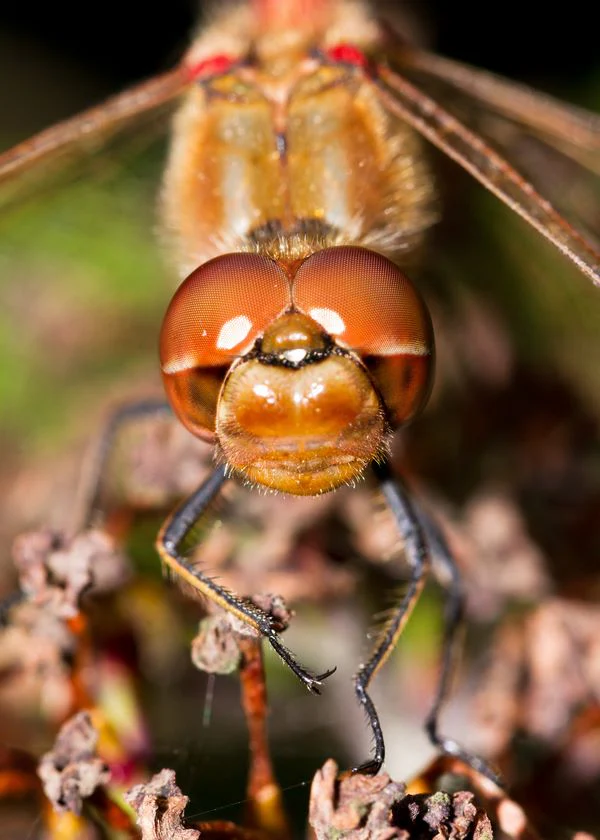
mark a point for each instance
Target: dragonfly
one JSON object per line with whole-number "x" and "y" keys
{"x": 296, "y": 193}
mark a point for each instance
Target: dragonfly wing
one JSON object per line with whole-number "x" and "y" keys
{"x": 484, "y": 161}
{"x": 80, "y": 138}
{"x": 574, "y": 131}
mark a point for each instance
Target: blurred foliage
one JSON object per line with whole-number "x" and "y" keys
{"x": 83, "y": 289}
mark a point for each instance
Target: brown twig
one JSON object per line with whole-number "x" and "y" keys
{"x": 222, "y": 645}
{"x": 265, "y": 808}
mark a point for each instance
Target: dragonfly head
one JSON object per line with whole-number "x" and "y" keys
{"x": 299, "y": 372}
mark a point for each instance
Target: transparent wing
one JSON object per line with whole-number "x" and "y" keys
{"x": 62, "y": 150}
{"x": 574, "y": 131}
{"x": 555, "y": 143}
{"x": 453, "y": 134}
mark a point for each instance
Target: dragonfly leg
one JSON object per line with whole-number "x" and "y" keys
{"x": 417, "y": 555}
{"x": 88, "y": 496}
{"x": 448, "y": 575}
{"x": 422, "y": 540}
{"x": 169, "y": 544}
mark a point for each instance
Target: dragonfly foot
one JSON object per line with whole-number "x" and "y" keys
{"x": 370, "y": 767}
{"x": 312, "y": 681}
{"x": 475, "y": 762}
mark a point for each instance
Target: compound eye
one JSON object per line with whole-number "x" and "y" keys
{"x": 215, "y": 316}
{"x": 367, "y": 304}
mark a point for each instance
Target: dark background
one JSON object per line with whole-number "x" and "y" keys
{"x": 70, "y": 55}
{"x": 121, "y": 40}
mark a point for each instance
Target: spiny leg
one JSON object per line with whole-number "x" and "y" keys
{"x": 90, "y": 487}
{"x": 448, "y": 575}
{"x": 422, "y": 540}
{"x": 415, "y": 547}
{"x": 170, "y": 539}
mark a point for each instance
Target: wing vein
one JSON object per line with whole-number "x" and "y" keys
{"x": 98, "y": 121}
{"x": 533, "y": 109}
{"x": 485, "y": 164}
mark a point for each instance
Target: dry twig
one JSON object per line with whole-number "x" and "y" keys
{"x": 72, "y": 771}
{"x": 376, "y": 808}
{"x": 159, "y": 805}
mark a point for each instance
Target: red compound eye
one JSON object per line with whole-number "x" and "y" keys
{"x": 216, "y": 315}
{"x": 366, "y": 303}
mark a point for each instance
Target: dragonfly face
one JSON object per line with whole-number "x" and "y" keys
{"x": 333, "y": 352}
{"x": 302, "y": 353}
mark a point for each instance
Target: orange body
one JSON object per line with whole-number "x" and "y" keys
{"x": 279, "y": 168}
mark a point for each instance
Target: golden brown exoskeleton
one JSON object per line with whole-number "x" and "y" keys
{"x": 301, "y": 354}
{"x": 316, "y": 389}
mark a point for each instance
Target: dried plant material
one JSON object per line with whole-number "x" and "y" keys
{"x": 215, "y": 648}
{"x": 582, "y": 746}
{"x": 454, "y": 816}
{"x": 498, "y": 702}
{"x": 159, "y": 805}
{"x": 54, "y": 572}
{"x": 512, "y": 821}
{"x": 72, "y": 771}
{"x": 499, "y": 560}
{"x": 563, "y": 665}
{"x": 501, "y": 812}
{"x": 357, "y": 804}
{"x": 545, "y": 668}
{"x": 278, "y": 544}
{"x": 225, "y": 830}
{"x": 276, "y": 608}
{"x": 446, "y": 816}
{"x": 158, "y": 461}
{"x": 264, "y": 806}
{"x": 35, "y": 651}
{"x": 376, "y": 808}
{"x": 374, "y": 530}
